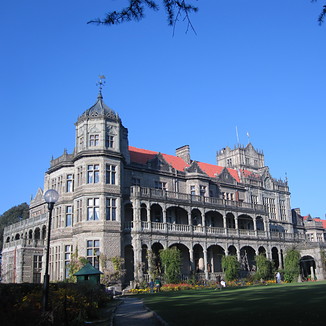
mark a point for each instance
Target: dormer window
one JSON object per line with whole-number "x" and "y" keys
{"x": 94, "y": 140}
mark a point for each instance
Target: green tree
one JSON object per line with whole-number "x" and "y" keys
{"x": 76, "y": 263}
{"x": 171, "y": 263}
{"x": 264, "y": 268}
{"x": 230, "y": 267}
{"x": 12, "y": 215}
{"x": 291, "y": 265}
{"x": 175, "y": 10}
{"x": 112, "y": 269}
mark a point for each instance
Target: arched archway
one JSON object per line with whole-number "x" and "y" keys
{"x": 247, "y": 256}
{"x": 37, "y": 234}
{"x": 232, "y": 251}
{"x": 43, "y": 232}
{"x": 196, "y": 218}
{"x": 230, "y": 221}
{"x": 143, "y": 212}
{"x": 144, "y": 258}
{"x": 308, "y": 268}
{"x": 275, "y": 257}
{"x": 245, "y": 222}
{"x": 198, "y": 258}
{"x": 155, "y": 265}
{"x": 176, "y": 215}
{"x": 129, "y": 263}
{"x": 156, "y": 213}
{"x": 260, "y": 223}
{"x": 185, "y": 258}
{"x": 262, "y": 251}
{"x": 215, "y": 254}
{"x": 129, "y": 215}
{"x": 17, "y": 236}
{"x": 214, "y": 219}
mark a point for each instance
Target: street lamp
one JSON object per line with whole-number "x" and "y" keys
{"x": 51, "y": 197}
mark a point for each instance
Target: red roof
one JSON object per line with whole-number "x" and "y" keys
{"x": 214, "y": 170}
{"x": 317, "y": 219}
{"x": 141, "y": 156}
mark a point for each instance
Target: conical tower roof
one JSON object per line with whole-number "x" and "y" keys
{"x": 99, "y": 110}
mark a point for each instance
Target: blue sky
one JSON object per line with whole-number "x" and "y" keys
{"x": 255, "y": 64}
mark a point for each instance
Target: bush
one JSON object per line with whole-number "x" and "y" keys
{"x": 70, "y": 304}
{"x": 291, "y": 265}
{"x": 231, "y": 267}
{"x": 264, "y": 268}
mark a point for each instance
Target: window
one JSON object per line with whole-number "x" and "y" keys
{"x": 69, "y": 185}
{"x": 93, "y": 173}
{"x": 111, "y": 209}
{"x": 110, "y": 174}
{"x": 254, "y": 199}
{"x": 247, "y": 161}
{"x": 93, "y": 209}
{"x": 68, "y": 216}
{"x": 135, "y": 182}
{"x": 68, "y": 252}
{"x": 229, "y": 162}
{"x": 282, "y": 209}
{"x": 160, "y": 185}
{"x": 192, "y": 190}
{"x": 202, "y": 190}
{"x": 269, "y": 204}
{"x": 54, "y": 183}
{"x": 37, "y": 268}
{"x": 93, "y": 252}
{"x": 79, "y": 175}
{"x": 60, "y": 183}
{"x": 109, "y": 141}
{"x": 79, "y": 210}
{"x": 94, "y": 140}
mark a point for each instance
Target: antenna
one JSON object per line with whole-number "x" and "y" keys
{"x": 237, "y": 134}
{"x": 248, "y": 135}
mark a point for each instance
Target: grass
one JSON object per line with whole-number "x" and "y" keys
{"x": 285, "y": 304}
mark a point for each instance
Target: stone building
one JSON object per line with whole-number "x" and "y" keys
{"x": 120, "y": 200}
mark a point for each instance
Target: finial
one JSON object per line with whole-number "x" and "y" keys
{"x": 100, "y": 84}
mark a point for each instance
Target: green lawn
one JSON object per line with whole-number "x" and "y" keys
{"x": 285, "y": 304}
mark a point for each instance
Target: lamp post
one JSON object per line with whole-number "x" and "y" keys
{"x": 51, "y": 197}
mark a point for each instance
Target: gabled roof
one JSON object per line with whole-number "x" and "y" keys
{"x": 88, "y": 269}
{"x": 142, "y": 156}
{"x": 317, "y": 219}
{"x": 214, "y": 170}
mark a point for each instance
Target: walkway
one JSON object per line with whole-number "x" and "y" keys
{"x": 132, "y": 312}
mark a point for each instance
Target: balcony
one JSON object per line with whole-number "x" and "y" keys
{"x": 210, "y": 232}
{"x": 194, "y": 200}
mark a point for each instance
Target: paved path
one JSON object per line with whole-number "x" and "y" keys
{"x": 131, "y": 312}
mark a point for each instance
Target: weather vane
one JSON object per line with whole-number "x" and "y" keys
{"x": 101, "y": 83}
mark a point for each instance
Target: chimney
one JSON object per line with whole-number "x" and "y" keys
{"x": 184, "y": 153}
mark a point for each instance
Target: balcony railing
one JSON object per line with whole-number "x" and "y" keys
{"x": 209, "y": 231}
{"x": 149, "y": 193}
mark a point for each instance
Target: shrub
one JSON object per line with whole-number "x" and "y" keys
{"x": 264, "y": 268}
{"x": 171, "y": 262}
{"x": 231, "y": 267}
{"x": 291, "y": 265}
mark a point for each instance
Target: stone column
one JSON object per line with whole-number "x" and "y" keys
{"x": 191, "y": 257}
{"x": 205, "y": 264}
